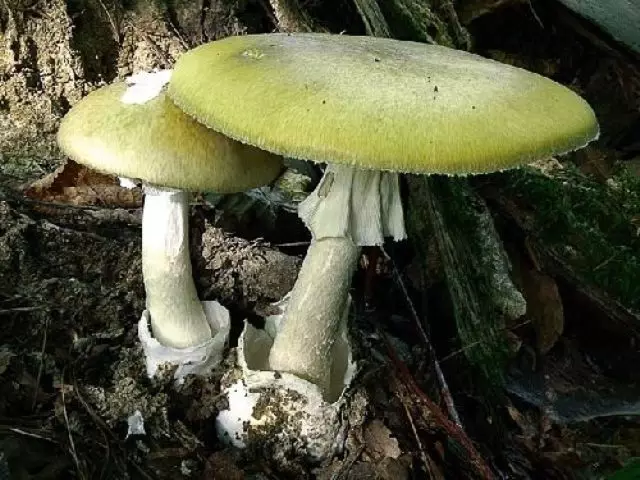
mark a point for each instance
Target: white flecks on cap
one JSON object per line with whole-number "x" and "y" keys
{"x": 145, "y": 86}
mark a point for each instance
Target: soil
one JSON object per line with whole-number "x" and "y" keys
{"x": 72, "y": 378}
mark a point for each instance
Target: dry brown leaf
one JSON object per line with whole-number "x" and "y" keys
{"x": 595, "y": 162}
{"x": 545, "y": 311}
{"x": 397, "y": 469}
{"x": 544, "y": 308}
{"x": 76, "y": 184}
{"x": 380, "y": 442}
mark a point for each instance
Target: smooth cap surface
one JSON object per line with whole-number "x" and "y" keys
{"x": 379, "y": 103}
{"x": 157, "y": 143}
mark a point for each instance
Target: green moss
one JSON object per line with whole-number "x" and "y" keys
{"x": 474, "y": 274}
{"x": 593, "y": 226}
{"x": 470, "y": 276}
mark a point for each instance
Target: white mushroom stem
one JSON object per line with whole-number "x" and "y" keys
{"x": 349, "y": 208}
{"x": 311, "y": 324}
{"x": 177, "y": 317}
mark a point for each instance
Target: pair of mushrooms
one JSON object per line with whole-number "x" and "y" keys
{"x": 368, "y": 107}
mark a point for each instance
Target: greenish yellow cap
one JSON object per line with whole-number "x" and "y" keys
{"x": 379, "y": 103}
{"x": 156, "y": 142}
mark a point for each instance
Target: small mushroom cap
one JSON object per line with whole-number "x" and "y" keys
{"x": 379, "y": 103}
{"x": 157, "y": 143}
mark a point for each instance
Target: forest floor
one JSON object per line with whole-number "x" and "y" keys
{"x": 72, "y": 376}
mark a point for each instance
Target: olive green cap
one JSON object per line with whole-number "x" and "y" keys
{"x": 160, "y": 145}
{"x": 379, "y": 103}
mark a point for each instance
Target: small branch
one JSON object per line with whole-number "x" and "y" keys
{"x": 452, "y": 430}
{"x": 20, "y": 431}
{"x": 423, "y": 455}
{"x": 107, "y": 432}
{"x": 72, "y": 445}
{"x": 459, "y": 351}
{"x": 41, "y": 365}
{"x": 112, "y": 23}
{"x": 290, "y": 16}
{"x": 444, "y": 387}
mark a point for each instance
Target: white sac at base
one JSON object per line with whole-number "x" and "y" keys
{"x": 196, "y": 360}
{"x": 281, "y": 413}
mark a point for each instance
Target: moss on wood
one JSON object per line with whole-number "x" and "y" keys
{"x": 595, "y": 227}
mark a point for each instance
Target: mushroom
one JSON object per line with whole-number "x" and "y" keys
{"x": 131, "y": 129}
{"x": 369, "y": 107}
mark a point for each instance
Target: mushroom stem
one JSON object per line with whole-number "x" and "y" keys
{"x": 311, "y": 322}
{"x": 349, "y": 208}
{"x": 177, "y": 317}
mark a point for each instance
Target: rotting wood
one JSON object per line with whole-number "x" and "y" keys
{"x": 475, "y": 264}
{"x": 552, "y": 262}
{"x": 290, "y": 16}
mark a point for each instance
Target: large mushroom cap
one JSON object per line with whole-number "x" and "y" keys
{"x": 379, "y": 103}
{"x": 157, "y": 143}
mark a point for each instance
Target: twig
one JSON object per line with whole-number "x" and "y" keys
{"x": 183, "y": 43}
{"x": 269, "y": 12}
{"x": 41, "y": 365}
{"x": 348, "y": 464}
{"x": 467, "y": 347}
{"x": 602, "y": 445}
{"x": 414, "y": 430}
{"x": 19, "y": 431}
{"x": 72, "y": 445}
{"x": 452, "y": 429}
{"x": 102, "y": 427}
{"x": 535, "y": 14}
{"x": 12, "y": 196}
{"x": 107, "y": 432}
{"x": 444, "y": 386}
{"x": 114, "y": 28}
{"x": 292, "y": 244}
{"x": 21, "y": 309}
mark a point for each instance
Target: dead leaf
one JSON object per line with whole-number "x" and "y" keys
{"x": 544, "y": 308}
{"x": 76, "y": 184}
{"x": 379, "y": 441}
{"x": 595, "y": 162}
{"x": 394, "y": 469}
